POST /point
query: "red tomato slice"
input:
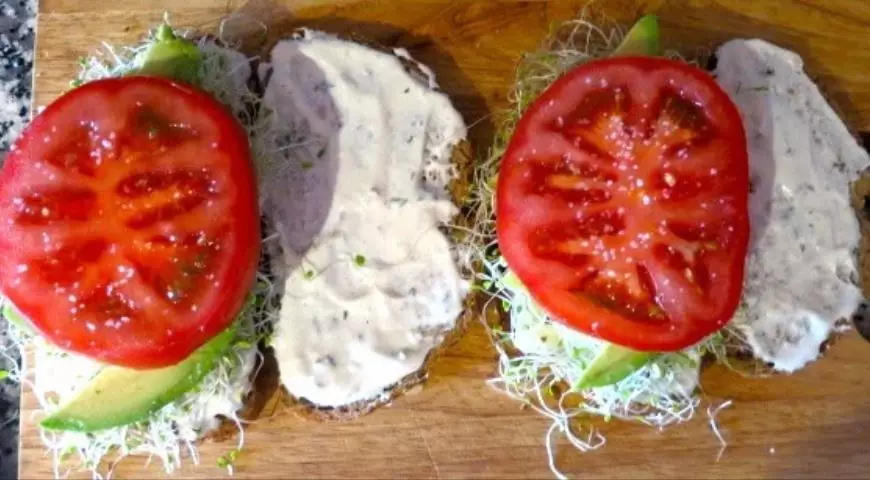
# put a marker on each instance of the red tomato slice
(130, 228)
(622, 202)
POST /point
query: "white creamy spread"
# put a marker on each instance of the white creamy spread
(358, 198)
(59, 372)
(802, 269)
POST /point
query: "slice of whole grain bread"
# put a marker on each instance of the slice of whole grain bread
(463, 161)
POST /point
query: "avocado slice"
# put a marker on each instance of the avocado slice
(170, 56)
(11, 314)
(642, 39)
(612, 364)
(119, 396)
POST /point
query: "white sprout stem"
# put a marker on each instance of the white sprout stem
(714, 426)
(551, 454)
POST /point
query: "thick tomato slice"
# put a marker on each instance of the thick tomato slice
(622, 202)
(130, 227)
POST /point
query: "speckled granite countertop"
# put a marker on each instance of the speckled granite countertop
(17, 24)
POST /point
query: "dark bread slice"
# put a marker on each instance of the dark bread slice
(463, 160)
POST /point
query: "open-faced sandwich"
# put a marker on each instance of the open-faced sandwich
(131, 242)
(132, 272)
(646, 213)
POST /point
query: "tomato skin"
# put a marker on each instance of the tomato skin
(184, 247)
(567, 210)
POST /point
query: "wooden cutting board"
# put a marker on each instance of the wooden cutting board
(812, 424)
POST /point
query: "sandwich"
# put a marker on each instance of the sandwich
(645, 215)
(131, 270)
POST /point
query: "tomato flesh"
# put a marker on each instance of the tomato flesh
(130, 226)
(622, 202)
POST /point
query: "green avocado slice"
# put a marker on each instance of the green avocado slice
(642, 39)
(612, 364)
(119, 396)
(15, 318)
(170, 56)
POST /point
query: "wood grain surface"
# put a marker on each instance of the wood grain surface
(809, 425)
